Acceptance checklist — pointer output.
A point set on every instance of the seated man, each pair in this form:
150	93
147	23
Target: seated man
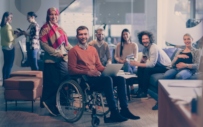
158	62
84	60
102	47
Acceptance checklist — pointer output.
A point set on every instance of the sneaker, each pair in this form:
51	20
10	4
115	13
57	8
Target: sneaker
155	106
51	108
127	114
141	95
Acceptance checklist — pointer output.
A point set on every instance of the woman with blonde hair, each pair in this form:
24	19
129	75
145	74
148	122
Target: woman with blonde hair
185	62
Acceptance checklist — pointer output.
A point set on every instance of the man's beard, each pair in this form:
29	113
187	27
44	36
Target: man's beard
100	40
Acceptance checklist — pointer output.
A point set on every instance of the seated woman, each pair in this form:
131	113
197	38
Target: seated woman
123	49
185	62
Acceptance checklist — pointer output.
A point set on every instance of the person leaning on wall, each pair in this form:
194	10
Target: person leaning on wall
54	42
8	37
32	40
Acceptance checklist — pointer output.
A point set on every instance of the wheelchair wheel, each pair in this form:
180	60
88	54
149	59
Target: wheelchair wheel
95	121
70	101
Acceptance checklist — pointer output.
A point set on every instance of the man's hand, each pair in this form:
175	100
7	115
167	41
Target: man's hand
181	65
183	56
134	63
93	73
144	59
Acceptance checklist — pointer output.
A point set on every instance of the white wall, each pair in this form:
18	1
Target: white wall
20	21
171	27
4	6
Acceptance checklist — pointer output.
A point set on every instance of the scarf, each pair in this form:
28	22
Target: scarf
54	30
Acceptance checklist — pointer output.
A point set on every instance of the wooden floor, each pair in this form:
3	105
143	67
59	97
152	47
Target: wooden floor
21	115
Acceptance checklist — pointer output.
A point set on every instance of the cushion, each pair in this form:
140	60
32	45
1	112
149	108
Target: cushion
27	95
23	83
27	73
196	76
171	52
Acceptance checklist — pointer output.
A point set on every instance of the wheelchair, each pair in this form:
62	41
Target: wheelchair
75	95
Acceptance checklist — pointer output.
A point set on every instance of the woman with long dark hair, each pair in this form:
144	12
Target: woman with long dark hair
32	40
8	37
125	48
54	42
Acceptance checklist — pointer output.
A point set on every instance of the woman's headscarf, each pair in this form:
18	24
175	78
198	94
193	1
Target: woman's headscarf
60	35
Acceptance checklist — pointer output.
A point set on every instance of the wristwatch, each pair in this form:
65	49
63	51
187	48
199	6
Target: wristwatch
187	65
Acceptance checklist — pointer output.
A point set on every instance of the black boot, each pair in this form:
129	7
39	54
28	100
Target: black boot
126	113
138	91
155	106
115	117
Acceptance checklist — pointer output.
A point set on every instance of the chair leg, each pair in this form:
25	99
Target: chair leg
32	106
16	102
6	105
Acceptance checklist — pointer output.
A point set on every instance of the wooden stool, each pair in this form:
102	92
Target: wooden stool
27	73
22	88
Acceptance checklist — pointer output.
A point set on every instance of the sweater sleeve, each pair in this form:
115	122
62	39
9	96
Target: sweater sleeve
117	55
45	45
98	64
135	52
72	64
153	56
108	55
196	63
69	46
10	36
173	61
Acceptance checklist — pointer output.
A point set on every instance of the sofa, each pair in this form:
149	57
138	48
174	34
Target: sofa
155	77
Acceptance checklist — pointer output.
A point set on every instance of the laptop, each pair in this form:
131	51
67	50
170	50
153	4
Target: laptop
111	69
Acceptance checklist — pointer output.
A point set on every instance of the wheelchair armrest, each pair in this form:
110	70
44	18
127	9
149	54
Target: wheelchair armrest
85	78
76	77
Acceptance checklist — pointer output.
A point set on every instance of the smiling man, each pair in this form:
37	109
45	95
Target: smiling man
84	60
158	62
102	47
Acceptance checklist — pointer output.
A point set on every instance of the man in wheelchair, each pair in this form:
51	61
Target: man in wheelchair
84	60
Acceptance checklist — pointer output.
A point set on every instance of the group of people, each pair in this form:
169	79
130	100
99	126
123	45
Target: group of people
8	36
61	60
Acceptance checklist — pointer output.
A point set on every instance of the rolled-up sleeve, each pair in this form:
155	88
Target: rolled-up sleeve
153	57
196	59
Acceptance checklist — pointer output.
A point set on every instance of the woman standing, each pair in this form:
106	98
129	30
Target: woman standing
54	42
124	48
185	62
8	43
32	40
